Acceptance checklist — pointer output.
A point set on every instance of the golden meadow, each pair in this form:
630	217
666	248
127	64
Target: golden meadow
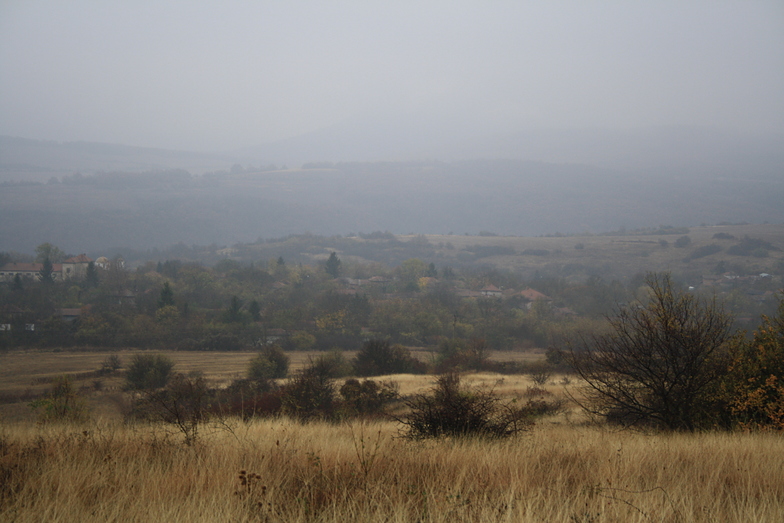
565	468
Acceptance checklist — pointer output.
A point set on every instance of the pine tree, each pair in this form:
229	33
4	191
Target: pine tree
167	296
333	265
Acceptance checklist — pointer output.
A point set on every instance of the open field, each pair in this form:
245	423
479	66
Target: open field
364	472
622	256
565	468
22	369
26	374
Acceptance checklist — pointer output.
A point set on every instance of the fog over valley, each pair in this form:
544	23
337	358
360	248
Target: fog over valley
129	127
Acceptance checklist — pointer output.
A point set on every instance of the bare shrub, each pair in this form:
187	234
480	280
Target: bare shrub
452	410
248	399
112	363
540	375
536	392
183	403
310	394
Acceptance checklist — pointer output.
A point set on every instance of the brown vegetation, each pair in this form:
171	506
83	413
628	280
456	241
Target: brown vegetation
278	470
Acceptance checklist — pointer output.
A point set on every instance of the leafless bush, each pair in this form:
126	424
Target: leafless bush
540	375
452	410
183	403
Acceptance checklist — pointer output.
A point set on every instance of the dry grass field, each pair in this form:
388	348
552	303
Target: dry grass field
565	468
623	256
279	470
25	374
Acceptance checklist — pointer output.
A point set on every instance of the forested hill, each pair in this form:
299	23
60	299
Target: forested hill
104	210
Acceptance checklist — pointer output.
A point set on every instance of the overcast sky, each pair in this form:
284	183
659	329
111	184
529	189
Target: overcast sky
203	75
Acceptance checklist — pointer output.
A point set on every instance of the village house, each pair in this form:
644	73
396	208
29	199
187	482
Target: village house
28	271
75	267
531	296
72	268
491	291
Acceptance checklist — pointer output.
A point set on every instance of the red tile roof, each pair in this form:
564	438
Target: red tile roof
82	258
533	295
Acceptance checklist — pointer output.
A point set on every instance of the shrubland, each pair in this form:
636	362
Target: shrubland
322	456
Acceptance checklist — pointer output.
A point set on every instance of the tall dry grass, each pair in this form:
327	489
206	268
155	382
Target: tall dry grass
363	472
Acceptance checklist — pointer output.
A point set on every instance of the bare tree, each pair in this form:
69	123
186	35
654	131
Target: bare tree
183	403
659	361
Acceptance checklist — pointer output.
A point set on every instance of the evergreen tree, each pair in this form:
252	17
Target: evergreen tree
333	265
255	310
234	312
167	296
91	275
47	272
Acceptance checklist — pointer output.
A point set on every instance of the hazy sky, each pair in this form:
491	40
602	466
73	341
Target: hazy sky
204	75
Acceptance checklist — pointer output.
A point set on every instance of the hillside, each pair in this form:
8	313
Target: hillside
514	198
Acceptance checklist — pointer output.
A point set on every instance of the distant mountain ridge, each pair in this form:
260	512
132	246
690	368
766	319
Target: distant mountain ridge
674	149
25	155
509	197
568	182
642	150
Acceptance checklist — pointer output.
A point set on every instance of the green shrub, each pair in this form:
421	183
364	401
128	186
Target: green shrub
723	236
754	385
368	397
459	355
148	371
378	357
61	403
334	364
683	241
752	247
111	363
271	363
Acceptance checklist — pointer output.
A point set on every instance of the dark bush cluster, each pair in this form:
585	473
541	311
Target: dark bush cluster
752	247
453	410
378	357
366	398
309	394
248	399
459	355
705	250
